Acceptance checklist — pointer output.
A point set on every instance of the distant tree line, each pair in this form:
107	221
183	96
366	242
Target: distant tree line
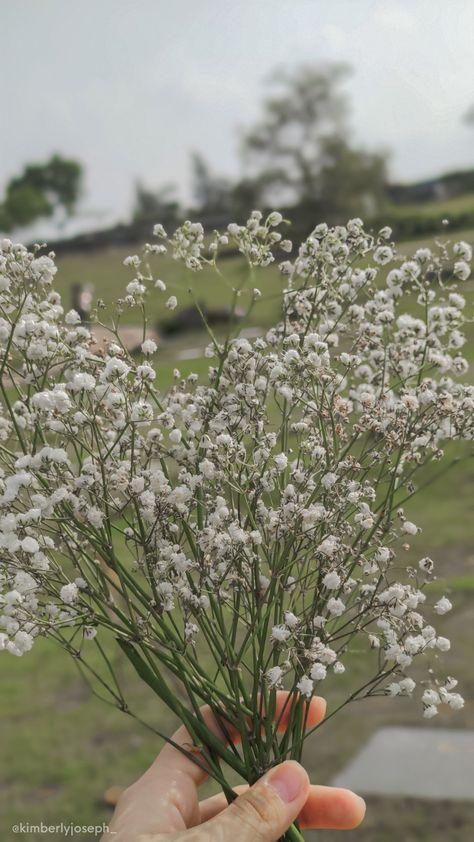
299	156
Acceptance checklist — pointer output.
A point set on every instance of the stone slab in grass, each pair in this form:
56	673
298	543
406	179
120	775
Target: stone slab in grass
417	762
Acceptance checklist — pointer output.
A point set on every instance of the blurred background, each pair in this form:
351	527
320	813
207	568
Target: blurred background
121	114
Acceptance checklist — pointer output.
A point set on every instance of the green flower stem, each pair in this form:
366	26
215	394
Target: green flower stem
293	835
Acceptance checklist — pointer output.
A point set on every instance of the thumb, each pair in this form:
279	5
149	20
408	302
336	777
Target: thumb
266	810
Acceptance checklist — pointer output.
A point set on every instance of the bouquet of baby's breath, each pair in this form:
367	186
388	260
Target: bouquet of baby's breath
235	534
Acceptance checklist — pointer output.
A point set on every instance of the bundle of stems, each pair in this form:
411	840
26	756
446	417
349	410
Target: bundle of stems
235	534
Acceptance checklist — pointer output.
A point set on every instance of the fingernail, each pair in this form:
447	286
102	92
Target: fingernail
288	780
363	805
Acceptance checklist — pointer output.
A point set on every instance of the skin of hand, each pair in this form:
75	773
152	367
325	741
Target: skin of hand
163	805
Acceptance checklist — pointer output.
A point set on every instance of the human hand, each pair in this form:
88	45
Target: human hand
163	805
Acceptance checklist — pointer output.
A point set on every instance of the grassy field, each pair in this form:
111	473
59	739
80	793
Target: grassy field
420	218
62	747
108	276
437	209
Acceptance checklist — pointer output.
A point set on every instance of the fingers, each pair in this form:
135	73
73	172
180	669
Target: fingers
332	808
265	810
325	808
315	710
214	805
171	758
165	797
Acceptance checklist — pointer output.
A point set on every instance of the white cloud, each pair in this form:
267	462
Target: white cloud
334	37
394	16
148	82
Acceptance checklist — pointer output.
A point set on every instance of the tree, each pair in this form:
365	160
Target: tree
41	191
352	181
300	153
213	194
468	117
155	205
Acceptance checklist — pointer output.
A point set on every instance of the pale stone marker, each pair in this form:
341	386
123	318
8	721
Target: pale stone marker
417	762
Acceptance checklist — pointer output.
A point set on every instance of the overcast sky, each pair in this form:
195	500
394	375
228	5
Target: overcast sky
131	86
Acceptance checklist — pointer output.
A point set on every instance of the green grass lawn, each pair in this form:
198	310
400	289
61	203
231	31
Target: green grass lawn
62	747
435	209
109	277
106	272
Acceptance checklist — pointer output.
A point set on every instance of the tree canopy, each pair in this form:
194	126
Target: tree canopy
40	191
300	152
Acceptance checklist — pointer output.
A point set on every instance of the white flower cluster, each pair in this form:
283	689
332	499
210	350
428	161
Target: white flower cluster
256	514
